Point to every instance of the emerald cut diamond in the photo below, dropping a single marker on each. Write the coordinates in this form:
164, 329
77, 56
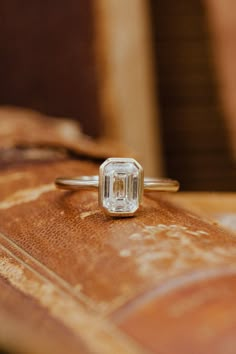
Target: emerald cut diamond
120, 186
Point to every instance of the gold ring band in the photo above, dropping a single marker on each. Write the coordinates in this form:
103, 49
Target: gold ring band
92, 183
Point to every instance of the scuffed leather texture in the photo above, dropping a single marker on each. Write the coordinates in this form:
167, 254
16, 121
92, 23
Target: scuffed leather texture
76, 281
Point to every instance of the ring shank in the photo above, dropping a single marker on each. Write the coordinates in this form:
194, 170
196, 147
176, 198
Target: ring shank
92, 183
160, 184
77, 183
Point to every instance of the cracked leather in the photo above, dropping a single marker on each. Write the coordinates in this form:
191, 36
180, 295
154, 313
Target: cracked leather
76, 281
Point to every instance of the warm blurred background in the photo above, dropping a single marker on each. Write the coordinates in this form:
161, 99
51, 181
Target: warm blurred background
159, 75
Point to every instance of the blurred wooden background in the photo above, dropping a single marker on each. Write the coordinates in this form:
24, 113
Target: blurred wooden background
47, 59
197, 146
158, 75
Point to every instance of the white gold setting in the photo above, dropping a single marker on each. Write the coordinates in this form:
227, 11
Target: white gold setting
120, 185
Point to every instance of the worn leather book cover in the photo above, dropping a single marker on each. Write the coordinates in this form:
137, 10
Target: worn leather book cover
76, 281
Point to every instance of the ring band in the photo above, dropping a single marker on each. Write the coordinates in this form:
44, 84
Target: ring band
92, 183
120, 185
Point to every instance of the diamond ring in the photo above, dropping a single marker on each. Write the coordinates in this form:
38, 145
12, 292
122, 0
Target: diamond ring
120, 185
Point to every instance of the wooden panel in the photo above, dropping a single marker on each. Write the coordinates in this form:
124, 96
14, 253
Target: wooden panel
126, 78
222, 23
85, 60
195, 135
47, 59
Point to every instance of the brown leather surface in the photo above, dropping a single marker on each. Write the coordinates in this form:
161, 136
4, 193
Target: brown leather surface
218, 206
197, 315
28, 326
160, 282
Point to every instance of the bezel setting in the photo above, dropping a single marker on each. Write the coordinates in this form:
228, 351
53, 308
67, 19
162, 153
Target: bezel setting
121, 183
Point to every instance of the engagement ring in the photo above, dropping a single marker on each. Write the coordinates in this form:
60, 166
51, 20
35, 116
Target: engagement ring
120, 185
